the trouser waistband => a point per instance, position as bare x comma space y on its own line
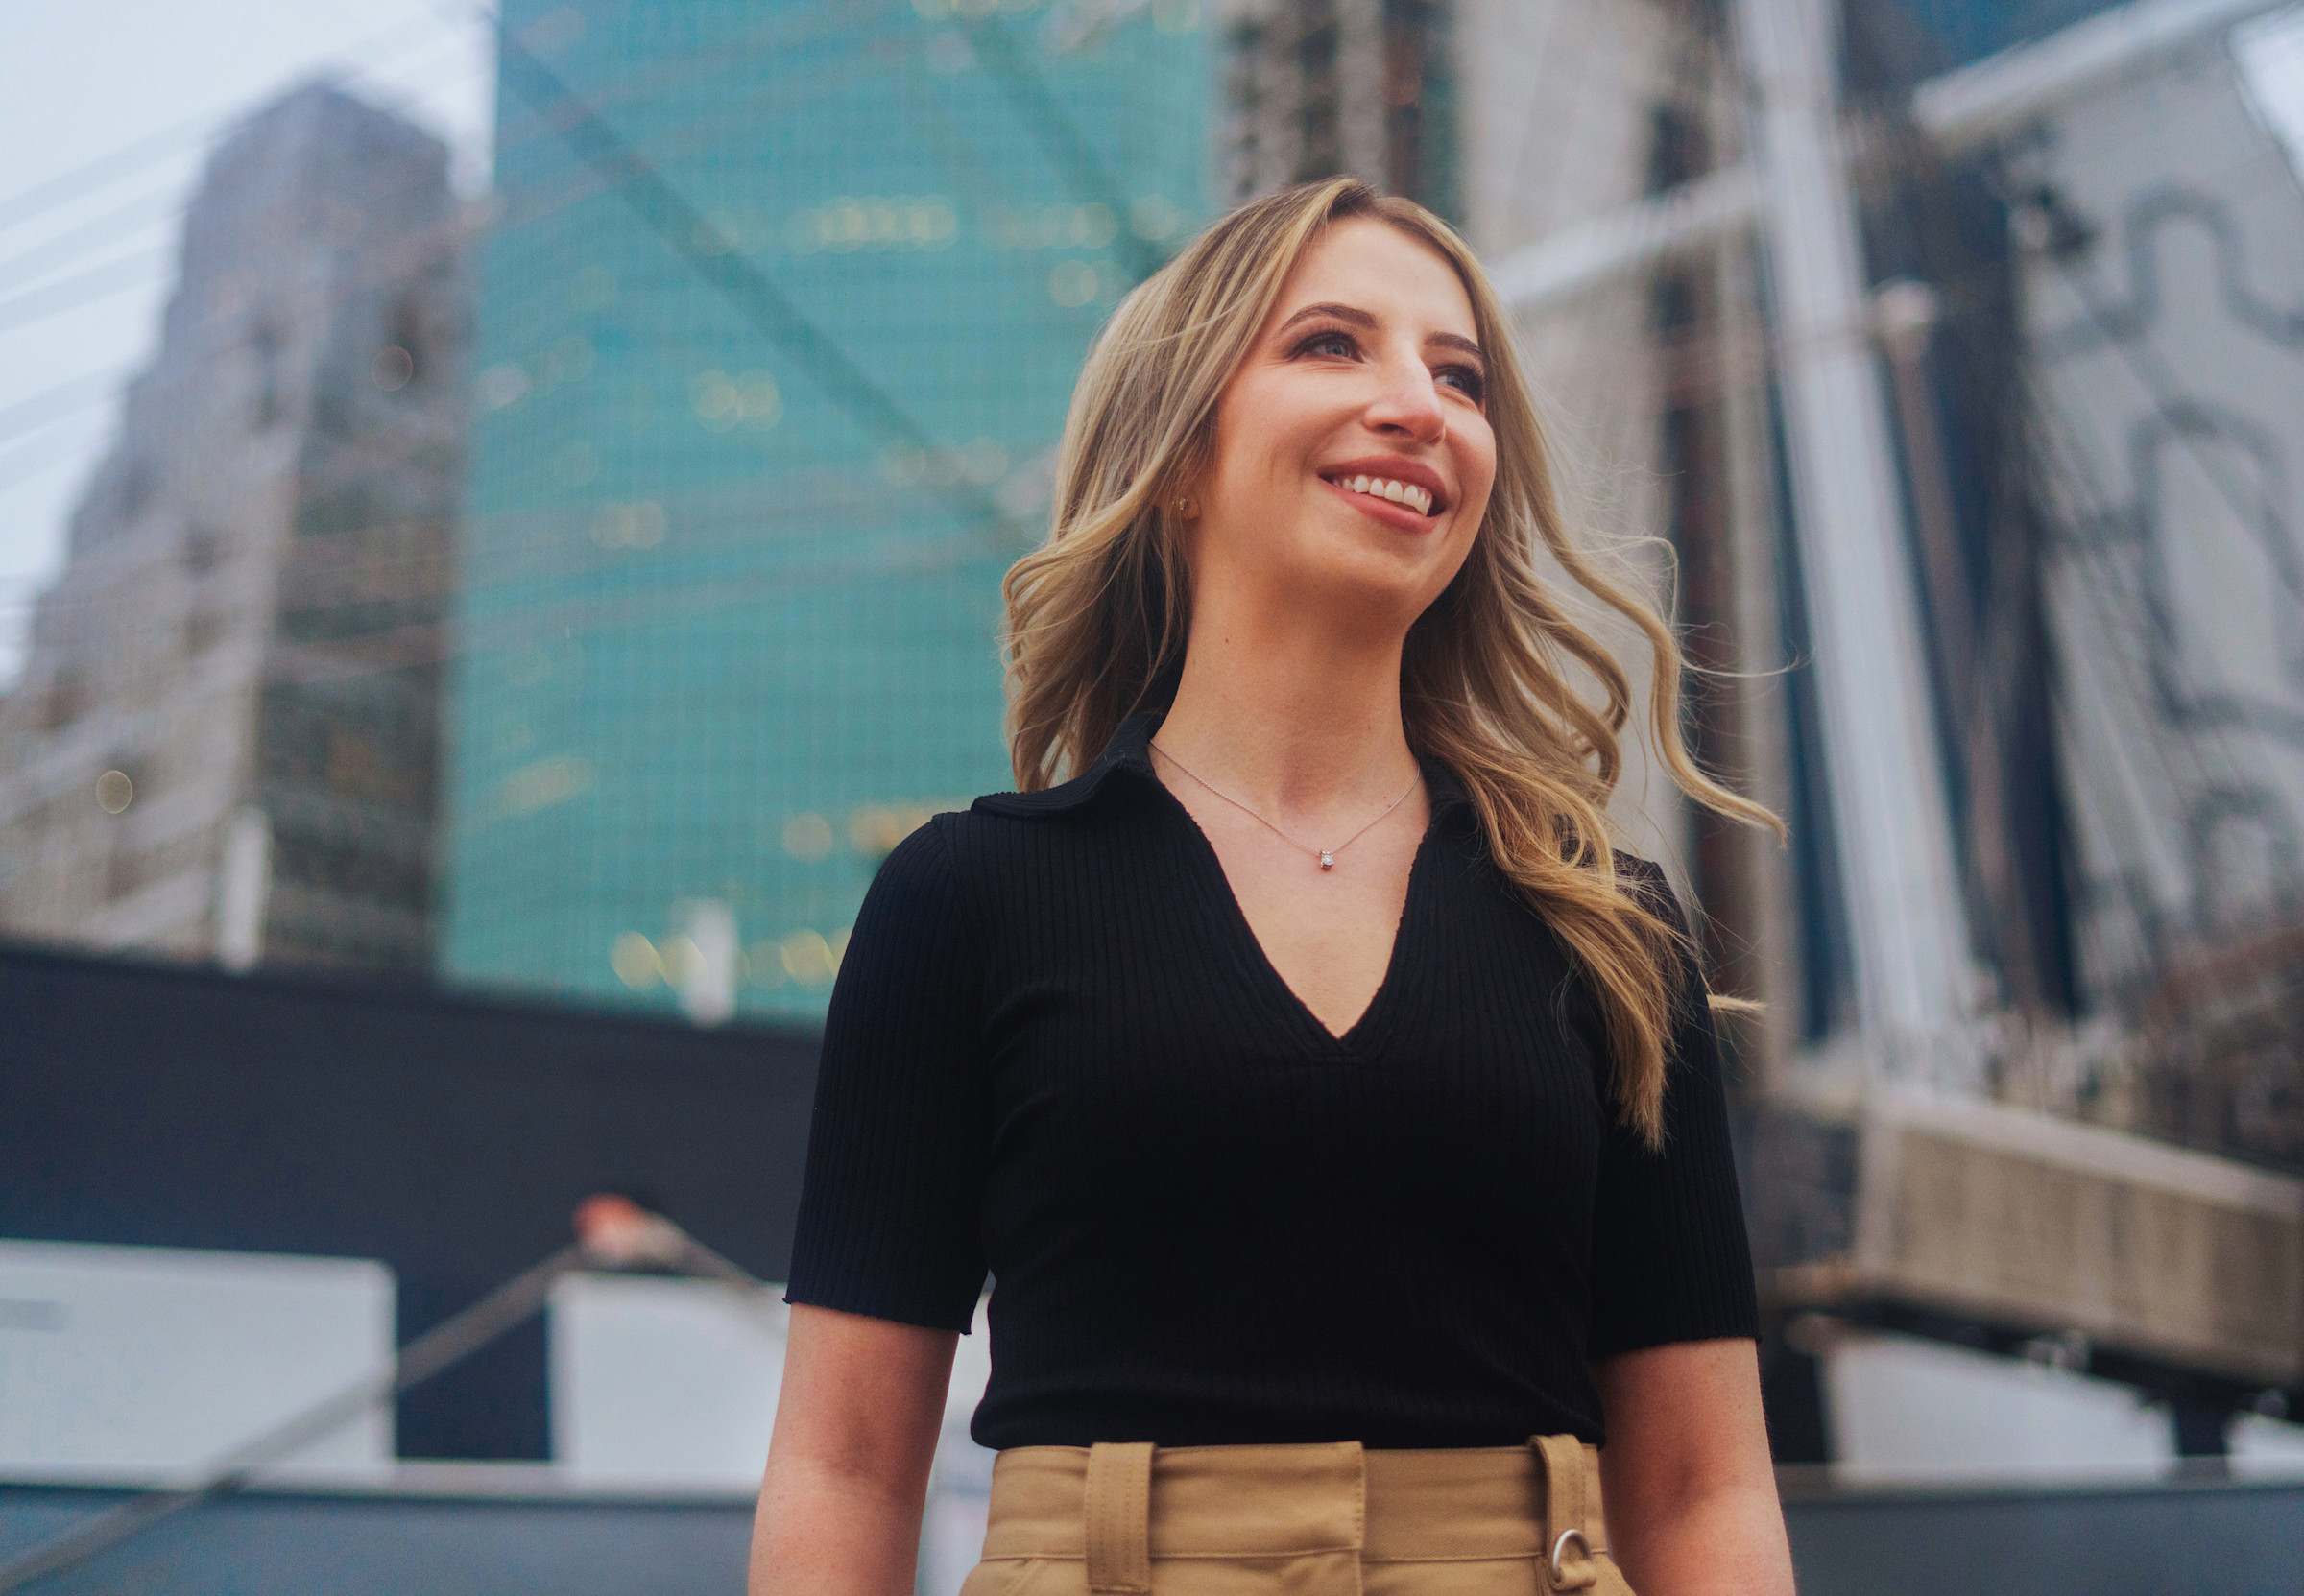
1121, 1505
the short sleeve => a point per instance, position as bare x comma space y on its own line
891, 1208
1671, 1258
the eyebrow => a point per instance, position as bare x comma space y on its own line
1360, 318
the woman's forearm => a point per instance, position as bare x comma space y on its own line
1728, 1543
1690, 1493
847, 1466
824, 1533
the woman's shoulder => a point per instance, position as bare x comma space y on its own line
994, 825
1064, 798
963, 842
918, 871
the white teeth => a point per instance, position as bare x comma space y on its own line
1418, 499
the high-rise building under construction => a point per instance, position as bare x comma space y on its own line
1951, 344
224, 739
778, 329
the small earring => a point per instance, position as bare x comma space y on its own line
1188, 508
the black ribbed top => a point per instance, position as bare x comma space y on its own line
1056, 1051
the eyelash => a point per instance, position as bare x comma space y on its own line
1474, 381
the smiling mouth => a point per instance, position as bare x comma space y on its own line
1406, 495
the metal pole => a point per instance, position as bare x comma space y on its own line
1906, 918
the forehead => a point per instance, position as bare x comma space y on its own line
1373, 266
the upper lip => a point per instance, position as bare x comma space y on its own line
1394, 469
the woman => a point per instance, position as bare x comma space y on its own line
1339, 1116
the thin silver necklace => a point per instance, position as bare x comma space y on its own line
1326, 855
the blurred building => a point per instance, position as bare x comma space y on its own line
222, 743
1951, 348
1940, 35
1316, 87
777, 335
2161, 245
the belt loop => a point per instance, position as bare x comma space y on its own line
1595, 1509
1120, 1517
1569, 1563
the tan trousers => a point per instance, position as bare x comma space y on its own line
1322, 1520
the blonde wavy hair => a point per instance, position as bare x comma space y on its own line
1097, 617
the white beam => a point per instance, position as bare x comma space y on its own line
1970, 107
1959, 110
1607, 247
1907, 919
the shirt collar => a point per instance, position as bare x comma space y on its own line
1130, 749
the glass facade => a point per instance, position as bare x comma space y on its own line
777, 326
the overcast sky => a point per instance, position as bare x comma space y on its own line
106, 107
107, 110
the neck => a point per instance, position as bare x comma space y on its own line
1292, 718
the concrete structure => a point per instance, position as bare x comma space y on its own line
2163, 264
2127, 1245
223, 742
2108, 68
2067, 489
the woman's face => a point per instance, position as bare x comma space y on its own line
1353, 455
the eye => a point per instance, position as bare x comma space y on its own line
1329, 341
1469, 379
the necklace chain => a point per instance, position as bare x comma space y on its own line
1326, 855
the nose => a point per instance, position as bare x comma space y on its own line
1405, 405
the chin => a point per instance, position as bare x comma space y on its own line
1372, 585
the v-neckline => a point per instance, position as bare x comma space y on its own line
1351, 1038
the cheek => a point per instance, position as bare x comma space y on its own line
1269, 427
1478, 468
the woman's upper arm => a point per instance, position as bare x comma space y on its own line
1688, 1482
887, 1258
891, 1208
1670, 1260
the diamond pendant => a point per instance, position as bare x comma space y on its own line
1327, 860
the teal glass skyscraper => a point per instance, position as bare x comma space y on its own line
778, 324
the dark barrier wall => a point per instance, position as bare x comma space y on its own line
448, 1136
